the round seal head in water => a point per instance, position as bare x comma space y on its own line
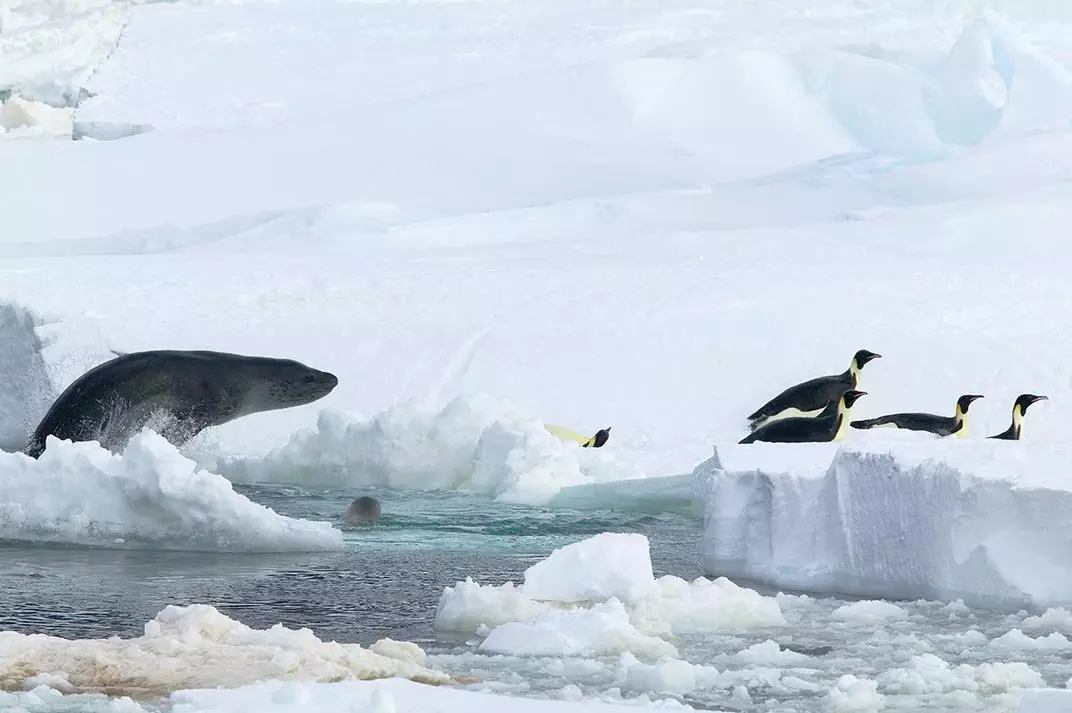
364, 509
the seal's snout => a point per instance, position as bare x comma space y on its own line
324, 381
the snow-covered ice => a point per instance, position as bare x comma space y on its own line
198, 647
716, 644
983, 521
486, 216
148, 496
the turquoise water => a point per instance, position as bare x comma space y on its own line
386, 582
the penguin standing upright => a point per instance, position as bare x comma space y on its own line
939, 425
806, 429
1019, 408
812, 397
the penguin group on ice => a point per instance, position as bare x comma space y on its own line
818, 410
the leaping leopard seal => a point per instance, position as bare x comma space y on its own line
178, 393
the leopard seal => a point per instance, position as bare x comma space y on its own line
363, 509
177, 393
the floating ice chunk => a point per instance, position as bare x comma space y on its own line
1016, 640
929, 674
467, 605
605, 628
705, 605
197, 646
1056, 619
42, 699
769, 653
603, 566
855, 694
868, 612
653, 608
388, 696
668, 675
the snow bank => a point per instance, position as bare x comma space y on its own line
990, 84
392, 696
983, 521
474, 444
197, 646
151, 495
597, 597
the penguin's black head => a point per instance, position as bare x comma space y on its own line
850, 397
966, 400
1025, 400
601, 437
863, 356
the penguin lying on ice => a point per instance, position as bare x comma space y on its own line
805, 429
938, 425
812, 397
596, 441
1019, 408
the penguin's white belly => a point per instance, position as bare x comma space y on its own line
791, 412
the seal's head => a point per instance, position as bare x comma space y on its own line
364, 509
282, 383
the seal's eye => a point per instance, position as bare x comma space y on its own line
310, 378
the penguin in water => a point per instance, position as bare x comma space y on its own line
807, 429
939, 425
1019, 408
811, 398
596, 441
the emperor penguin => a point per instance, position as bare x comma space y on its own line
810, 398
807, 429
939, 425
596, 441
1019, 408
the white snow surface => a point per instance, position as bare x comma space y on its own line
652, 215
198, 647
903, 517
148, 496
